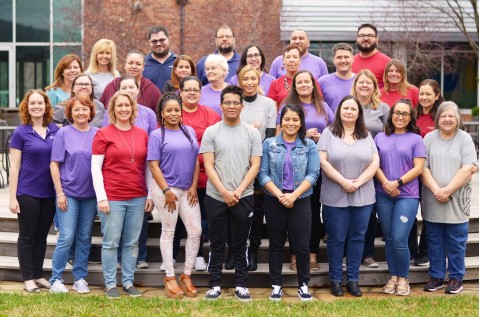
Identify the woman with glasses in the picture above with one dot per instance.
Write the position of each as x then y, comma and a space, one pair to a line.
103, 65
254, 56
396, 85
216, 69
67, 69
375, 112
182, 67
402, 155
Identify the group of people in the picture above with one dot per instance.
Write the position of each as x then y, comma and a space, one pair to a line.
223, 144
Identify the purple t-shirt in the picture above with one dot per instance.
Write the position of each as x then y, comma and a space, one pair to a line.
34, 178
310, 62
211, 98
287, 182
397, 152
265, 82
334, 89
313, 119
177, 155
146, 119
73, 149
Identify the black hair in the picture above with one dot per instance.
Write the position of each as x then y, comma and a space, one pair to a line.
360, 132
302, 132
232, 89
243, 59
367, 25
188, 78
158, 28
171, 96
411, 126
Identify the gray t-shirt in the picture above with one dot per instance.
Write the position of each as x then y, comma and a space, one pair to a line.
59, 115
263, 110
100, 81
444, 159
350, 161
375, 119
233, 146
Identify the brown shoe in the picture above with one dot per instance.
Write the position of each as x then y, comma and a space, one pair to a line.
187, 286
171, 288
314, 266
293, 266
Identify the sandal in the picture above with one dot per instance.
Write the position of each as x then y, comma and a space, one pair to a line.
314, 266
293, 266
187, 286
171, 288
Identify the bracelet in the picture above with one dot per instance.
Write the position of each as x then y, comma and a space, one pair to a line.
166, 190
62, 194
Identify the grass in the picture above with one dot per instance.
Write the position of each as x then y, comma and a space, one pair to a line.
72, 305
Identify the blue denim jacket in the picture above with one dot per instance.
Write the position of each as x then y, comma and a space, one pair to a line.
305, 160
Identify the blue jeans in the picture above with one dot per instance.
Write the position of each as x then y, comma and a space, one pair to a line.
396, 217
124, 221
450, 240
346, 225
75, 224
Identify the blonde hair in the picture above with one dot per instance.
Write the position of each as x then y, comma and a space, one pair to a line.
376, 91
404, 84
112, 119
101, 46
245, 70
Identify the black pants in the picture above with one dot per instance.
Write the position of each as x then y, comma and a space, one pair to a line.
369, 246
257, 224
418, 250
297, 221
221, 220
34, 221
316, 227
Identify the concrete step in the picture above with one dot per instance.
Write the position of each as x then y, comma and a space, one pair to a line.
153, 277
8, 247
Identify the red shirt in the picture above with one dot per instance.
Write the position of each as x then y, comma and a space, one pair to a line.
122, 178
426, 124
393, 96
375, 63
200, 120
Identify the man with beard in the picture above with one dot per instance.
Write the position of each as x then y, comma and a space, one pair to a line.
310, 62
369, 57
225, 42
159, 63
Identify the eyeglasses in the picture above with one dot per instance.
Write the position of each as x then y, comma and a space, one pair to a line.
229, 103
369, 36
401, 114
83, 85
161, 41
196, 91
256, 55
224, 36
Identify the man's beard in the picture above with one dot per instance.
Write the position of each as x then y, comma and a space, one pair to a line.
225, 50
366, 49
162, 54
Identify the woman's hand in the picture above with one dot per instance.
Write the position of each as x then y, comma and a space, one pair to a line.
170, 201
104, 206
192, 196
394, 193
149, 205
287, 199
349, 186
311, 132
390, 187
442, 195
62, 202
230, 198
14, 206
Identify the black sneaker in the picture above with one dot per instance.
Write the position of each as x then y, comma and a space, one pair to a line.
112, 293
132, 291
276, 294
213, 293
242, 294
421, 261
303, 293
433, 285
454, 286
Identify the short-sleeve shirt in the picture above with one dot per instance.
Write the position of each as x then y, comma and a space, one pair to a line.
122, 178
425, 123
313, 119
375, 119
397, 152
34, 178
310, 62
177, 155
73, 150
350, 160
444, 159
211, 98
263, 110
233, 147
57, 95
375, 63
265, 82
335, 88
60, 117
392, 97
146, 119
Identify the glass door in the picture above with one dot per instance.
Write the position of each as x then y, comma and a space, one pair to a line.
7, 79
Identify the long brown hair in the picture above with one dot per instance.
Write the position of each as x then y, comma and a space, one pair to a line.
174, 79
404, 84
437, 91
317, 99
59, 81
360, 132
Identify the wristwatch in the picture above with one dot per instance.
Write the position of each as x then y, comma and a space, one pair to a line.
400, 182
166, 190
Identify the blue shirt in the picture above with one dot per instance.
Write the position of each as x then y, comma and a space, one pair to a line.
305, 163
34, 178
157, 72
233, 64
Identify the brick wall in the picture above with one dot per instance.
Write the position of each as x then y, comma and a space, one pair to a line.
252, 21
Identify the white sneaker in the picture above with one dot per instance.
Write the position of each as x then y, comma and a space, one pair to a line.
142, 265
162, 266
58, 287
200, 264
81, 286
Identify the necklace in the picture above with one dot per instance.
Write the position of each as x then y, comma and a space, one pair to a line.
132, 152
285, 84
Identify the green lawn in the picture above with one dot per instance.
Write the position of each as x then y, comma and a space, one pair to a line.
74, 305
